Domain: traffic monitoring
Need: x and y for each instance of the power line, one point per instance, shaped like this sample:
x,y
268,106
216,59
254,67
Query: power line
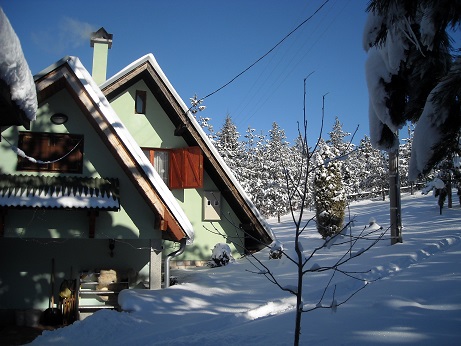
x,y
290,67
268,52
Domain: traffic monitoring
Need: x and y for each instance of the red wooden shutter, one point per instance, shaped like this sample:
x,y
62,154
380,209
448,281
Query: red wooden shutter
x,y
176,159
193,168
186,168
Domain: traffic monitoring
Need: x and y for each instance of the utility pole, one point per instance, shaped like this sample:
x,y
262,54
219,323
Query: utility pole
x,y
394,197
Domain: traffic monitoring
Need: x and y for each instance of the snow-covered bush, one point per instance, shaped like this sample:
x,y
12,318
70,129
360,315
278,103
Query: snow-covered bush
x,y
220,256
276,251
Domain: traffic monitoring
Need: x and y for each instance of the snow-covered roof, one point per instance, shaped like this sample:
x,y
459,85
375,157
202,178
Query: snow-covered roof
x,y
106,110
151,59
14,70
57,192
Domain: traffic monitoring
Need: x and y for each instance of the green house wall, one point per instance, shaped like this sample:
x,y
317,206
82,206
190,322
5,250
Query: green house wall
x,y
32,237
134,220
154,129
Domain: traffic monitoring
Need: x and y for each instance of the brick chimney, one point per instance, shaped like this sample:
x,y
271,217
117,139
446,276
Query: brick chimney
x,y
101,41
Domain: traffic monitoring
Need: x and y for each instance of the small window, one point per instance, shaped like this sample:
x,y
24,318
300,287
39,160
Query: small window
x,y
140,102
62,151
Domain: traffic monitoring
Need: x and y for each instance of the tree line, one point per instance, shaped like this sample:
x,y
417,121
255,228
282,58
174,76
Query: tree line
x,y
339,169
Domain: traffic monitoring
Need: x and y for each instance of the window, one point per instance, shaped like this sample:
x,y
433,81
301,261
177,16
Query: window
x,y
140,102
63,150
160,159
179,168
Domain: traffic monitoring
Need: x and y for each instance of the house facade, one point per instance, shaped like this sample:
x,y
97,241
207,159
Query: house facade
x,y
113,174
190,166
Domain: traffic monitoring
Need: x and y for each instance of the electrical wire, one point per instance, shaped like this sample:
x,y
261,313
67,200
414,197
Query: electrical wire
x,y
268,52
290,67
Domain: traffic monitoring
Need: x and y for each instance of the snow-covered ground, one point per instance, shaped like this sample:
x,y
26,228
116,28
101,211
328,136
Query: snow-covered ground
x,y
417,299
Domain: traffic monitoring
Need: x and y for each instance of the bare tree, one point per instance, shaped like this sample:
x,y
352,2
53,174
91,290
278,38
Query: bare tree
x,y
297,189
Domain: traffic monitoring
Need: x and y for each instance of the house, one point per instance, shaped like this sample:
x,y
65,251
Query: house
x,y
149,106
116,176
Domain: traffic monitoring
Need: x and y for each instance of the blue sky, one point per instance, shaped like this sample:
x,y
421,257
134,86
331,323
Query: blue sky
x,y
203,44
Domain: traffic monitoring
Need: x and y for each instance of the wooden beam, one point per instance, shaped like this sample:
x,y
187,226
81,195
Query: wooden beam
x,y
92,222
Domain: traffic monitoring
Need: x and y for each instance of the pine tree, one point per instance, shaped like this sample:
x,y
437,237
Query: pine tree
x,y
337,141
330,199
418,79
228,145
205,124
276,161
372,173
404,157
256,175
298,173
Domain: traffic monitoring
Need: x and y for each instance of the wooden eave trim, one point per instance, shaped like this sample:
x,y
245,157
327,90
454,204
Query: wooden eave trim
x,y
111,139
125,79
230,191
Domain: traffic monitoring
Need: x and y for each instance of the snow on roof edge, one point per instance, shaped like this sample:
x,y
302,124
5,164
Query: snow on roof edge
x,y
15,71
150,58
96,94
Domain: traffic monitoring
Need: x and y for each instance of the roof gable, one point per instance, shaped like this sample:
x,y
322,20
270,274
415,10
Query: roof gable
x,y
147,69
70,74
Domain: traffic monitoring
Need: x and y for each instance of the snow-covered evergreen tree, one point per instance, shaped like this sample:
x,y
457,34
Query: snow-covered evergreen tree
x,y
373,168
343,147
276,158
205,124
412,75
228,145
255,176
404,157
329,195
297,167
337,138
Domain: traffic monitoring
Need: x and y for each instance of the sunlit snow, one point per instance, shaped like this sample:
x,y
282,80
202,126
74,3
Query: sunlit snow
x,y
412,294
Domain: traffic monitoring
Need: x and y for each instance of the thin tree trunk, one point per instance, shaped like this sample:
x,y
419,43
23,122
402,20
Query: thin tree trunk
x,y
299,289
450,199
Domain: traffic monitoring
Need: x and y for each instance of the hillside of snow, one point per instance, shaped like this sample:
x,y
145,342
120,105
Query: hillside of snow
x,y
412,293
